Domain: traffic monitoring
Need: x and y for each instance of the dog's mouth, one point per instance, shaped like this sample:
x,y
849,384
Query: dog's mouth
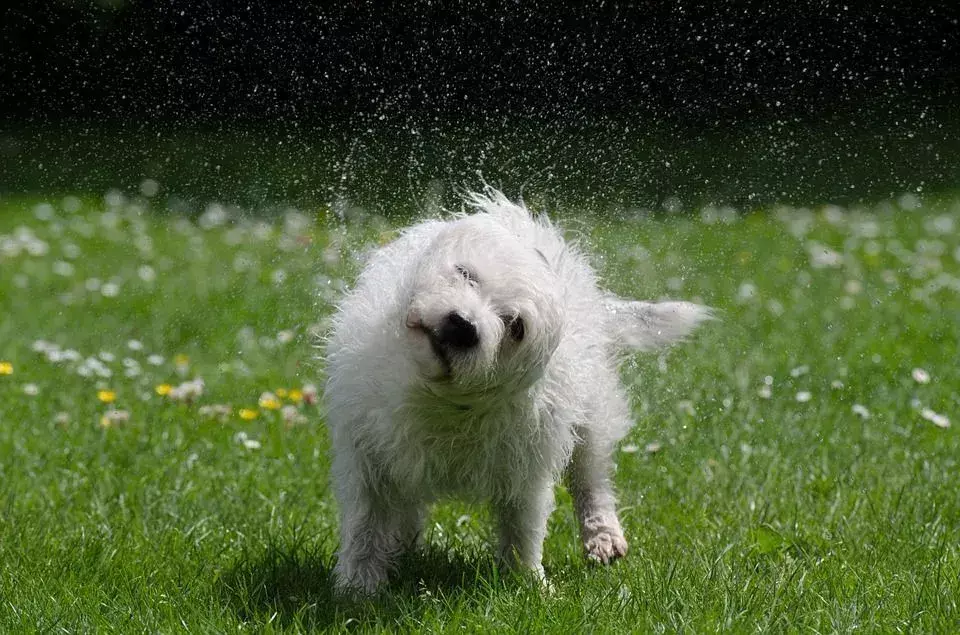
x,y
441,353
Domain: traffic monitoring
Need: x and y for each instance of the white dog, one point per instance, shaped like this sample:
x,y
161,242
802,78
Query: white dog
x,y
477,358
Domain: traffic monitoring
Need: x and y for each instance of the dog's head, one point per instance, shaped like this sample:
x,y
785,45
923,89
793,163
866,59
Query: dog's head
x,y
485,310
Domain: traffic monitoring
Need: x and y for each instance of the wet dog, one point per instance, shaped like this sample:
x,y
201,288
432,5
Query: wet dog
x,y
477,357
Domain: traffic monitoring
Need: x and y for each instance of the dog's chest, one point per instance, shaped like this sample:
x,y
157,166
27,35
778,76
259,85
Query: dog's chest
x,y
474,455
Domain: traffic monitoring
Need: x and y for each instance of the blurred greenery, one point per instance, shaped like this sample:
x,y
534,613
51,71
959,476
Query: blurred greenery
x,y
392,166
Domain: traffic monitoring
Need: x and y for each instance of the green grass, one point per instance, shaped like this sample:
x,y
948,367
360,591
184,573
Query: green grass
x,y
755,513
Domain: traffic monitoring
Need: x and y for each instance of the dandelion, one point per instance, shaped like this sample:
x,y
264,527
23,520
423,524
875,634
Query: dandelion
x,y
822,257
295,395
149,188
629,448
804,396
42,346
62,418
6,368
187,391
43,211
861,411
245,441
155,360
937,419
93,366
31,390
292,416
284,337
113,198
63,268
114,417
309,392
163,389
146,273
248,414
799,371
214,215
853,287
132,367
106,396
764,392
685,406
653,447
215,411
920,376
135,345
37,247
182,363
747,291
282,393
269,401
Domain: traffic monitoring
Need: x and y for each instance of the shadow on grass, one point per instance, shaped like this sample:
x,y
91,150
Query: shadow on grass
x,y
293,585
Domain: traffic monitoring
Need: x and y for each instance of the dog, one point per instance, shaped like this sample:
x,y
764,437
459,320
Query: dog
x,y
477,357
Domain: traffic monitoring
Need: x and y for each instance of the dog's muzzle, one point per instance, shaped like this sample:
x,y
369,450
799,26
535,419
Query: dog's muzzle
x,y
457,332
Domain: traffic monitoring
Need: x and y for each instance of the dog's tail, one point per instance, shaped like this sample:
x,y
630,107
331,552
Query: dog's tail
x,y
646,326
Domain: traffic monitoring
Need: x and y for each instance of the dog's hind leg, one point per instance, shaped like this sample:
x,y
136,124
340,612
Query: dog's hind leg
x,y
588,480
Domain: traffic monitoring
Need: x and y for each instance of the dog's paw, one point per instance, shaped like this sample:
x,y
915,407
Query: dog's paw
x,y
358,582
605,546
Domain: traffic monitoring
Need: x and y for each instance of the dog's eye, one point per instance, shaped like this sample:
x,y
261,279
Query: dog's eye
x,y
516,327
466,274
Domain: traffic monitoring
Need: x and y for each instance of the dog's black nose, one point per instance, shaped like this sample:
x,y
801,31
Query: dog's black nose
x,y
457,331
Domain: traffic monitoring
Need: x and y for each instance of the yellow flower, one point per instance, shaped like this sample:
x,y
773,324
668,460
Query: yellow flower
x,y
281,393
181,360
296,395
247,414
163,389
105,422
6,368
106,396
269,401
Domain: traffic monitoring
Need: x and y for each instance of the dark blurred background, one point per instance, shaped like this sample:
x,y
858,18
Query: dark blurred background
x,y
697,74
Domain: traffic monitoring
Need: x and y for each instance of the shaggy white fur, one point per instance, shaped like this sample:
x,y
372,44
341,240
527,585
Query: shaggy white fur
x,y
477,358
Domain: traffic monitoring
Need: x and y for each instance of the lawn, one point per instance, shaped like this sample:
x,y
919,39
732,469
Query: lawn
x,y
163,464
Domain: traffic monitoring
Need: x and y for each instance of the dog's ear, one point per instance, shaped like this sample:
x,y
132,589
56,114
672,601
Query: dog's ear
x,y
647,326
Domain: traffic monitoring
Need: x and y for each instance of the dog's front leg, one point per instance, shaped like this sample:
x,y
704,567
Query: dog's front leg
x,y
522,523
373,532
588,478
